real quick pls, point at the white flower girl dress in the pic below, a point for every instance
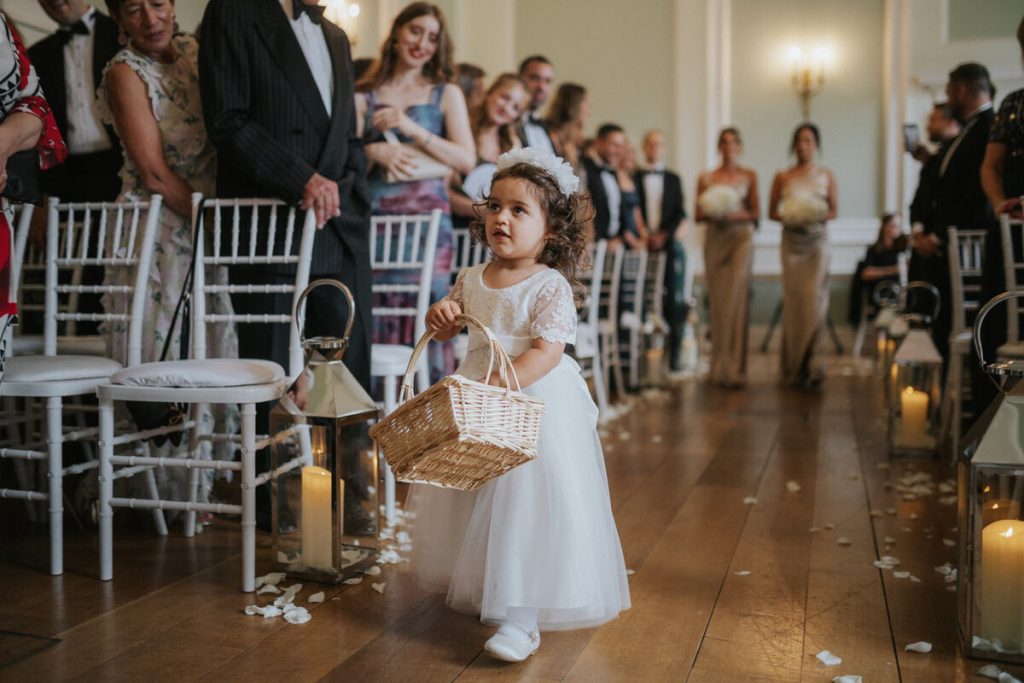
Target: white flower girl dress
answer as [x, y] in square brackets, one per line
[542, 536]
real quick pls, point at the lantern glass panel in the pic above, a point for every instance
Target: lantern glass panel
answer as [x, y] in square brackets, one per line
[914, 397]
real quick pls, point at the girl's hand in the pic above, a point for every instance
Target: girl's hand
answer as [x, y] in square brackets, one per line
[387, 118]
[441, 316]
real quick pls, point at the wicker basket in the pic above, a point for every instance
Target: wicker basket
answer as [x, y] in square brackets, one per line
[461, 433]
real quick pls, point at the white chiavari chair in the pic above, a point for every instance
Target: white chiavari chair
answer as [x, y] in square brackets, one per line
[966, 258]
[655, 326]
[465, 254]
[631, 317]
[123, 245]
[1012, 235]
[587, 346]
[276, 236]
[608, 320]
[401, 244]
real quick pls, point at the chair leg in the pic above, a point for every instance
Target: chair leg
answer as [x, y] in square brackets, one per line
[390, 403]
[620, 385]
[106, 480]
[193, 474]
[248, 429]
[956, 412]
[55, 477]
[634, 359]
[154, 494]
[599, 388]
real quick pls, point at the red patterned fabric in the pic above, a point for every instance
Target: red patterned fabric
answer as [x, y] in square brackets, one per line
[51, 147]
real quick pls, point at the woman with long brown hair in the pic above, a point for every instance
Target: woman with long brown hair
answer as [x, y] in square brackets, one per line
[565, 120]
[407, 106]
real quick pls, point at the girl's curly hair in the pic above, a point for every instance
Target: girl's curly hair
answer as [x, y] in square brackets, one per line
[565, 248]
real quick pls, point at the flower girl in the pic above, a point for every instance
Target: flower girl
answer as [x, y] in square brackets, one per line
[537, 548]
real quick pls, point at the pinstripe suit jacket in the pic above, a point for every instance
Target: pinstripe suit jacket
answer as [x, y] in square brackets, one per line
[272, 132]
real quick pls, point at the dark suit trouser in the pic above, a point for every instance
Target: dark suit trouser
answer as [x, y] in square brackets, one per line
[326, 314]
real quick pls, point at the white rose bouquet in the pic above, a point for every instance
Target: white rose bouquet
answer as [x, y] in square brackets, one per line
[802, 208]
[718, 201]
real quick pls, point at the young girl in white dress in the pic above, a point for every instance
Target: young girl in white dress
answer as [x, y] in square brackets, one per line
[537, 548]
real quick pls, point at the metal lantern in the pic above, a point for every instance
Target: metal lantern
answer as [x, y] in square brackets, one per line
[990, 571]
[324, 493]
[886, 297]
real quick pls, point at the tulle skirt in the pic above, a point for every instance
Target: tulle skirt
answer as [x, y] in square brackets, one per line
[541, 536]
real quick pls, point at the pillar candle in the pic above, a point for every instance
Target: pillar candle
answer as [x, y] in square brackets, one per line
[913, 417]
[1002, 583]
[316, 517]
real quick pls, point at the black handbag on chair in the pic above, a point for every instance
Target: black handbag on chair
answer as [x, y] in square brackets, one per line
[24, 179]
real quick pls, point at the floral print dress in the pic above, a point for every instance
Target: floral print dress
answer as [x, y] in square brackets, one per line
[174, 97]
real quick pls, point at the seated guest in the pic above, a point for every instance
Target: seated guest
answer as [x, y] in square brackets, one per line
[539, 75]
[470, 79]
[601, 167]
[566, 119]
[880, 263]
[150, 94]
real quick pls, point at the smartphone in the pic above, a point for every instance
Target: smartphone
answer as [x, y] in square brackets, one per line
[911, 136]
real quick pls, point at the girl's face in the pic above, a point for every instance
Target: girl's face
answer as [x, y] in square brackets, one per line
[505, 105]
[416, 41]
[516, 224]
[893, 229]
[806, 146]
[148, 23]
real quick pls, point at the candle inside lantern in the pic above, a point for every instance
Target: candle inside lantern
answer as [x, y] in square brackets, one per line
[881, 349]
[999, 509]
[913, 417]
[316, 517]
[1002, 583]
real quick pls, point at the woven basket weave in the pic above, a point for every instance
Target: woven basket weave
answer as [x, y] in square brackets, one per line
[461, 433]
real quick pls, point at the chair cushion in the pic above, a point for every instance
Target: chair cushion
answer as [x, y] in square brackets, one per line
[58, 368]
[196, 374]
[1011, 351]
[32, 344]
[585, 346]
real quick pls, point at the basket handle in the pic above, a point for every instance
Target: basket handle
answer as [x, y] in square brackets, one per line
[506, 371]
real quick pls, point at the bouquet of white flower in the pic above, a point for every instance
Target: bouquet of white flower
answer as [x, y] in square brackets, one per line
[802, 208]
[718, 201]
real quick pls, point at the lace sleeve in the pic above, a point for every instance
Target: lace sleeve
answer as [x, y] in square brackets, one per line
[455, 295]
[553, 318]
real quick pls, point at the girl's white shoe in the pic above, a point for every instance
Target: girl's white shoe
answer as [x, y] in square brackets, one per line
[512, 643]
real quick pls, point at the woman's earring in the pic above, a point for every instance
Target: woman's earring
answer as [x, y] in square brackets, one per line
[122, 37]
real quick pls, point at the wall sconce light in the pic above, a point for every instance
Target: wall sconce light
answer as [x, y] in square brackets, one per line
[344, 15]
[808, 74]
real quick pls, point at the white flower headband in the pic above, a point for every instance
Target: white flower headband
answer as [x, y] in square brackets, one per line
[559, 169]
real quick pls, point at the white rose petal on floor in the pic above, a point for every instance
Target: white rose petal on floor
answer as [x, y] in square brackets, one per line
[920, 646]
[294, 614]
[271, 579]
[828, 659]
[354, 581]
[742, 572]
[847, 678]
[844, 541]
[317, 597]
[373, 570]
[750, 500]
[268, 588]
[793, 486]
[379, 587]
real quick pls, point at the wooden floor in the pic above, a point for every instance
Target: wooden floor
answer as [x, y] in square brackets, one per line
[723, 590]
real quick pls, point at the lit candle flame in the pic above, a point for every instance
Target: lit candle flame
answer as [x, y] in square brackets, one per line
[1008, 534]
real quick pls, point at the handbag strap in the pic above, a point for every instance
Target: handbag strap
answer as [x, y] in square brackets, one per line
[185, 298]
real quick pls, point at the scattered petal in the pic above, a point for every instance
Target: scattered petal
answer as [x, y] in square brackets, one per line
[828, 659]
[742, 572]
[890, 511]
[914, 579]
[814, 529]
[750, 500]
[886, 562]
[403, 537]
[372, 570]
[948, 500]
[299, 615]
[848, 678]
[843, 540]
[630, 572]
[913, 515]
[268, 588]
[949, 543]
[875, 513]
[379, 587]
[354, 581]
[920, 646]
[281, 557]
[830, 527]
[317, 597]
[289, 595]
[901, 575]
[267, 611]
[656, 438]
[854, 477]
[793, 486]
[951, 589]
[990, 671]
[889, 540]
[271, 579]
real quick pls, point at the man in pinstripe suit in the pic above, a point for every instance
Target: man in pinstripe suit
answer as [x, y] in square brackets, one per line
[277, 88]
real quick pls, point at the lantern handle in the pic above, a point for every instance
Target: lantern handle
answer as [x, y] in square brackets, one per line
[320, 283]
[984, 311]
[931, 289]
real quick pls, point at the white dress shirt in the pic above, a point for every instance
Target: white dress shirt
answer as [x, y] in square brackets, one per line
[85, 132]
[314, 48]
[614, 194]
[654, 190]
[535, 134]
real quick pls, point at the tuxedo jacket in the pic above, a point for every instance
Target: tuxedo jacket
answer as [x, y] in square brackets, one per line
[673, 208]
[266, 118]
[959, 199]
[47, 57]
[602, 215]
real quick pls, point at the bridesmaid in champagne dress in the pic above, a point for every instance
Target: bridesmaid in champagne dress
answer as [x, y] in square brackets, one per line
[728, 253]
[803, 199]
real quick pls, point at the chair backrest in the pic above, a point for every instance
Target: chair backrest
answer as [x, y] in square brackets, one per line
[250, 232]
[29, 271]
[1013, 264]
[116, 236]
[654, 287]
[966, 258]
[632, 281]
[404, 244]
[22, 226]
[465, 253]
[593, 278]
[610, 281]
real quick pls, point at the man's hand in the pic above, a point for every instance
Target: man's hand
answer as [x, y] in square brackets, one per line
[322, 196]
[1010, 206]
[926, 244]
[656, 241]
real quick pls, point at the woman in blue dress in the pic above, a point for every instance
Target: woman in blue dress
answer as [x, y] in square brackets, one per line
[408, 92]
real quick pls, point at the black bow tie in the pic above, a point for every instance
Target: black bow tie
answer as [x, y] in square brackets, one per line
[66, 32]
[314, 12]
